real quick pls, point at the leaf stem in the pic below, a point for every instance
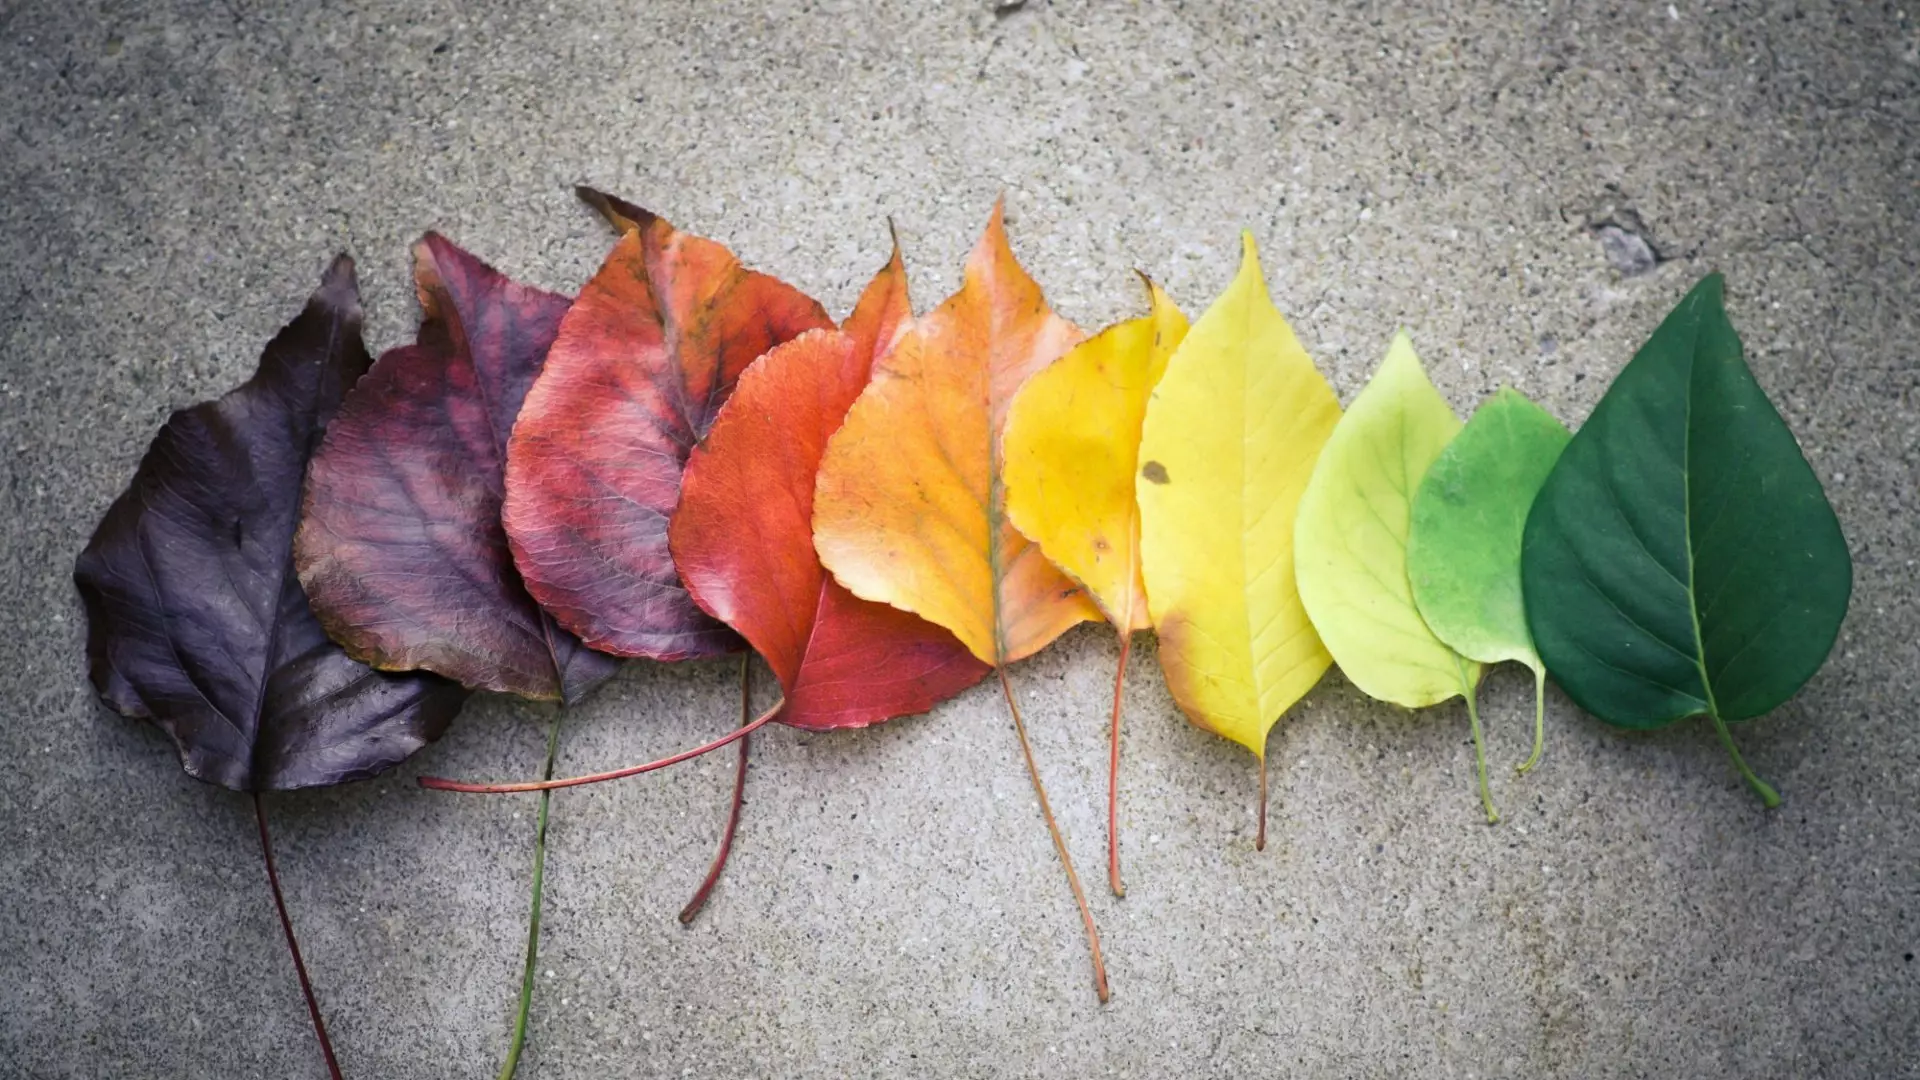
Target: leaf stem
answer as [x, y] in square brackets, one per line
[1470, 691]
[1539, 721]
[705, 890]
[438, 783]
[1113, 771]
[1260, 839]
[1059, 842]
[525, 1006]
[293, 946]
[1768, 796]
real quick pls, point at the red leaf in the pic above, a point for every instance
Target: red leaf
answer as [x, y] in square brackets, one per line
[743, 534]
[402, 551]
[643, 361]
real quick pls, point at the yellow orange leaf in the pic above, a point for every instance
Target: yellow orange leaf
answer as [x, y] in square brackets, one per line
[909, 508]
[1072, 448]
[910, 505]
[1351, 540]
[1232, 433]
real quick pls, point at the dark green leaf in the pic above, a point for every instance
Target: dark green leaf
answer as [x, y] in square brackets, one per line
[1682, 560]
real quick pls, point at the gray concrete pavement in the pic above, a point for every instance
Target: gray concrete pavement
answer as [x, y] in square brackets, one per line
[173, 176]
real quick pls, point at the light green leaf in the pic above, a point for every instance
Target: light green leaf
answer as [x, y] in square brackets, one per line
[1463, 553]
[1350, 545]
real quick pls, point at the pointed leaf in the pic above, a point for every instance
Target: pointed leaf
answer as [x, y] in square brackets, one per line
[1682, 558]
[1073, 446]
[643, 361]
[401, 549]
[743, 534]
[910, 504]
[1463, 550]
[1352, 538]
[195, 618]
[1231, 435]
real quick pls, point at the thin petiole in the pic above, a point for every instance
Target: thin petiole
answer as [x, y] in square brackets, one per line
[1760, 787]
[705, 890]
[1470, 691]
[525, 1006]
[1059, 843]
[1260, 839]
[293, 946]
[1113, 771]
[438, 783]
[1539, 721]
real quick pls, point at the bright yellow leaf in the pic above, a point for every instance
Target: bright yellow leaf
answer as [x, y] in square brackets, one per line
[1231, 436]
[1072, 446]
[1351, 541]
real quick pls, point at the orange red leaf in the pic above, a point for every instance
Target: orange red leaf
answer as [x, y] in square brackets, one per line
[742, 536]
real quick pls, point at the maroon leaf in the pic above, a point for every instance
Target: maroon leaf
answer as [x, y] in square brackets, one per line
[401, 548]
[195, 618]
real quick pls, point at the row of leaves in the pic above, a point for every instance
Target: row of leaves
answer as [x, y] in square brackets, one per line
[307, 577]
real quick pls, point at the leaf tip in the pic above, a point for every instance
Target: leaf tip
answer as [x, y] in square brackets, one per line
[621, 214]
[1249, 250]
[340, 275]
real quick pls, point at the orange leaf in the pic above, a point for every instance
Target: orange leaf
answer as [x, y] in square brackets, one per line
[910, 508]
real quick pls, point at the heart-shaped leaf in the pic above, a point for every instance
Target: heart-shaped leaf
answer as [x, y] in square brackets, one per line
[1351, 542]
[1072, 446]
[195, 617]
[1463, 549]
[1682, 559]
[642, 363]
[743, 534]
[910, 505]
[1231, 436]
[401, 548]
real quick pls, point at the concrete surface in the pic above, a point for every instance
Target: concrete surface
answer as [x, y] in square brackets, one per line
[173, 176]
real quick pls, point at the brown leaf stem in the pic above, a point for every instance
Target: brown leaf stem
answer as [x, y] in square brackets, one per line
[1059, 843]
[438, 783]
[705, 890]
[1113, 771]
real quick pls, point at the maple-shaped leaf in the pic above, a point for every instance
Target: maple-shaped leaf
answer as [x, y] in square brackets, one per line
[642, 363]
[743, 534]
[401, 548]
[910, 505]
[195, 617]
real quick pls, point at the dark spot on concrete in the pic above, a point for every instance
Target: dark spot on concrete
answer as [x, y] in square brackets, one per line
[1155, 472]
[1624, 236]
[1628, 252]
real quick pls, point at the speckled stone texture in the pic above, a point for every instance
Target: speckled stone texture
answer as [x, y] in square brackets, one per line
[1526, 189]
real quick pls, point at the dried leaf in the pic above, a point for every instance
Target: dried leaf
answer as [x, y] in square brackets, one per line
[743, 534]
[401, 548]
[643, 361]
[1232, 433]
[195, 617]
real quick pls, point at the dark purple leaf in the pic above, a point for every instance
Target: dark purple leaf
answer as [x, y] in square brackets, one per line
[195, 619]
